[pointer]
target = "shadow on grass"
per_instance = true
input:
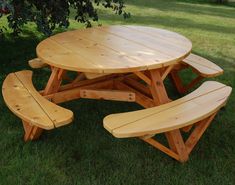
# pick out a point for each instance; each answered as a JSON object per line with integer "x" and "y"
{"x": 170, "y": 21}
{"x": 189, "y": 7}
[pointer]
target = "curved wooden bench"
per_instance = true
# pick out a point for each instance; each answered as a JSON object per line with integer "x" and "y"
{"x": 35, "y": 111}
{"x": 198, "y": 107}
{"x": 201, "y": 66}
{"x": 36, "y": 63}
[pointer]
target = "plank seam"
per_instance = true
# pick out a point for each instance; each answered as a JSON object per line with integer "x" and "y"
{"x": 166, "y": 109}
{"x": 35, "y": 99}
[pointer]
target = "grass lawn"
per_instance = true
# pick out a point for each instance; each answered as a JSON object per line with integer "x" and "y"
{"x": 83, "y": 152}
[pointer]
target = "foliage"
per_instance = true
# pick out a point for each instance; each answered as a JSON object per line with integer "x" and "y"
{"x": 50, "y": 14}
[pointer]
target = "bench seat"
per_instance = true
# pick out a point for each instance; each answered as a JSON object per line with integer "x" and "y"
{"x": 193, "y": 108}
{"x": 25, "y": 102}
{"x": 202, "y": 66}
{"x": 36, "y": 63}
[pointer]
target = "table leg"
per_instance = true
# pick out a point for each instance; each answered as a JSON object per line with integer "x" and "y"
{"x": 157, "y": 87}
{"x": 160, "y": 96}
{"x": 54, "y": 81}
{"x": 53, "y": 85}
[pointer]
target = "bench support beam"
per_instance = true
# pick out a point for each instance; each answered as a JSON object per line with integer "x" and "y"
{"x": 161, "y": 147}
{"x": 31, "y": 132}
{"x": 198, "y": 132}
{"x": 179, "y": 149}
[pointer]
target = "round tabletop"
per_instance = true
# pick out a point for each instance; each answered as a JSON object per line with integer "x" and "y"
{"x": 114, "y": 49}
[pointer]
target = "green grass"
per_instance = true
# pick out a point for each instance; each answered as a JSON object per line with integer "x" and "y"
{"x": 83, "y": 152}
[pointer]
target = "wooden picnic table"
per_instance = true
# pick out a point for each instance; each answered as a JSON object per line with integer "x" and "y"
{"x": 122, "y": 55}
{"x": 123, "y": 63}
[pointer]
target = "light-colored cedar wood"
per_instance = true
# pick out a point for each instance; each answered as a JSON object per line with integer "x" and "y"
{"x": 179, "y": 145}
{"x": 139, "y": 97}
{"x": 197, "y": 132}
{"x": 202, "y": 66}
{"x": 165, "y": 35}
{"x": 196, "y": 106}
{"x": 56, "y": 55}
{"x": 125, "y": 118}
{"x": 170, "y": 140}
{"x": 192, "y": 83}
{"x": 54, "y": 81}
{"x": 74, "y": 93}
{"x": 157, "y": 88}
{"x": 176, "y": 80}
{"x": 121, "y": 45}
{"x": 158, "y": 44}
{"x": 31, "y": 132}
{"x": 116, "y": 95}
{"x": 78, "y": 78}
{"x": 173, "y": 116}
{"x": 80, "y": 81}
{"x": 108, "y": 50}
{"x": 142, "y": 76}
{"x": 166, "y": 72}
{"x": 94, "y": 75}
{"x": 161, "y": 147}
{"x": 24, "y": 101}
{"x": 187, "y": 128}
{"x": 137, "y": 85}
{"x": 83, "y": 83}
{"x": 36, "y": 63}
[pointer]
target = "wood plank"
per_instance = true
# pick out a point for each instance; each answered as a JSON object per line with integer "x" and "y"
{"x": 59, "y": 115}
{"x": 110, "y": 60}
{"x": 94, "y": 75}
{"x": 115, "y": 95}
{"x": 36, "y": 63}
{"x": 138, "y": 86}
{"x": 157, "y": 88}
{"x": 179, "y": 145}
{"x": 97, "y": 50}
{"x": 20, "y": 101}
{"x": 166, "y": 47}
{"x": 122, "y": 46}
{"x": 43, "y": 113}
{"x": 54, "y": 81}
{"x": 203, "y": 66}
{"x": 162, "y": 34}
{"x": 142, "y": 76}
{"x": 74, "y": 93}
{"x": 198, "y": 132}
{"x": 52, "y": 53}
{"x": 161, "y": 147}
{"x": 139, "y": 97}
{"x": 166, "y": 72}
{"x": 174, "y": 115}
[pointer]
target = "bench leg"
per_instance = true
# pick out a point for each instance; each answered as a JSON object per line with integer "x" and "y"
{"x": 182, "y": 89}
{"x": 177, "y": 145}
{"x": 197, "y": 133}
{"x": 179, "y": 149}
{"x": 31, "y": 132}
{"x": 176, "y": 80}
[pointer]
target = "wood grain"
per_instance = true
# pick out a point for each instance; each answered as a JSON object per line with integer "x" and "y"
{"x": 196, "y": 106}
{"x": 114, "y": 49}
